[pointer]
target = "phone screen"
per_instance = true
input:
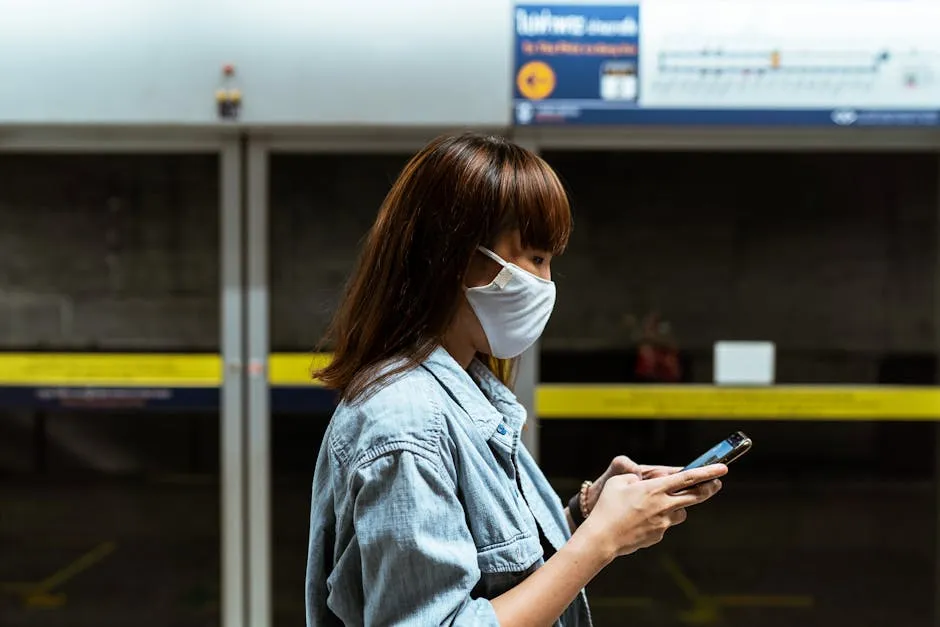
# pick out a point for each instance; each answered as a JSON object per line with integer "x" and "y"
{"x": 715, "y": 453}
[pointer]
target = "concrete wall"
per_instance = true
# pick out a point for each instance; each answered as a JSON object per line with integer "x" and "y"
{"x": 815, "y": 252}
{"x": 823, "y": 254}
{"x": 109, "y": 252}
{"x": 831, "y": 252}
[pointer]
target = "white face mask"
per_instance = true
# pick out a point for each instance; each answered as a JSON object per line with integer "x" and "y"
{"x": 513, "y": 309}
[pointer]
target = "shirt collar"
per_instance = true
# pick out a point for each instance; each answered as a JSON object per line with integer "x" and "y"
{"x": 487, "y": 401}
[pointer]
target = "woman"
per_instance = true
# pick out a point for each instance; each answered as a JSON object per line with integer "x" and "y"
{"x": 426, "y": 510}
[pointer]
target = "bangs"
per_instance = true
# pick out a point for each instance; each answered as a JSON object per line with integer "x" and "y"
{"x": 533, "y": 200}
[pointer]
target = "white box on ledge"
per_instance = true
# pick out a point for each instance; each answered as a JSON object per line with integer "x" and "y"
{"x": 745, "y": 363}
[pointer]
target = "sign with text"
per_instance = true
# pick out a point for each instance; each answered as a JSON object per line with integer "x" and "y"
{"x": 730, "y": 62}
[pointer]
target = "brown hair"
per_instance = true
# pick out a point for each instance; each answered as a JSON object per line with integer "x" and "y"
{"x": 459, "y": 192}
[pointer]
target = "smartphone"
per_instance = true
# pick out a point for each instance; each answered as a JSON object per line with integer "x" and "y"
{"x": 725, "y": 452}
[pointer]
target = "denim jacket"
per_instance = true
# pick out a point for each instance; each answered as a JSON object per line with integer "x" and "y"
{"x": 425, "y": 506}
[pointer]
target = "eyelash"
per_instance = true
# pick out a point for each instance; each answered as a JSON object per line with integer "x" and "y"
{"x": 538, "y": 260}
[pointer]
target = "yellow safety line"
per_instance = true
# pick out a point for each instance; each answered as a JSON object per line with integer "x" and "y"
{"x": 74, "y": 568}
{"x": 706, "y": 608}
{"x": 39, "y": 594}
{"x": 682, "y": 580}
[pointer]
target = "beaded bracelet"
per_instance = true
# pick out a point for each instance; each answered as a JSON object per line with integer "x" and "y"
{"x": 577, "y": 506}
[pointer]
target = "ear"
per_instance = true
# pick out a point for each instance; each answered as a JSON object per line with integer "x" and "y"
{"x": 481, "y": 270}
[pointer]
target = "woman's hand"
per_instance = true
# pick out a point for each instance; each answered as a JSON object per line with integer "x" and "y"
{"x": 632, "y": 513}
{"x": 623, "y": 465}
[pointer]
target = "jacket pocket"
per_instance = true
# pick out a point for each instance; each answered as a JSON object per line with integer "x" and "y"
{"x": 504, "y": 565}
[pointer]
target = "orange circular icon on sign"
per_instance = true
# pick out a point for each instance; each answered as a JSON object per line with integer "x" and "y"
{"x": 536, "y": 80}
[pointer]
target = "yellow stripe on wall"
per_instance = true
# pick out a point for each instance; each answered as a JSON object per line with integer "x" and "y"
{"x": 110, "y": 369}
{"x": 143, "y": 369}
{"x": 291, "y": 369}
{"x": 710, "y": 402}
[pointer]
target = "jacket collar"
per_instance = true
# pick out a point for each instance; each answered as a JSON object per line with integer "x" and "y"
{"x": 486, "y": 400}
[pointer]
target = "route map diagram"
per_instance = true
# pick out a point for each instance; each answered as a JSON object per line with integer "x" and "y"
{"x": 865, "y": 53}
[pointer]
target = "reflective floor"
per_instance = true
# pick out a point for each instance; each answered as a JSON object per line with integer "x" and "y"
{"x": 815, "y": 549}
{"x": 113, "y": 555}
{"x": 109, "y": 519}
{"x": 109, "y": 554}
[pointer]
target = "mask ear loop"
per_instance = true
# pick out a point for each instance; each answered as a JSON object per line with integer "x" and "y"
{"x": 489, "y": 253}
{"x": 504, "y": 276}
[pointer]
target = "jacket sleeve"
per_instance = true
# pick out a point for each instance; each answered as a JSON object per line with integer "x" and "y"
{"x": 418, "y": 560}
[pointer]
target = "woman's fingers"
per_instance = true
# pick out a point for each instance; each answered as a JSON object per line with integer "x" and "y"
{"x": 694, "y": 496}
{"x": 678, "y": 516}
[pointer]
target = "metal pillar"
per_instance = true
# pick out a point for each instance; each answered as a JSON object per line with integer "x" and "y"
{"x": 259, "y": 411}
{"x": 936, "y": 317}
{"x": 232, "y": 483}
{"x": 527, "y": 377}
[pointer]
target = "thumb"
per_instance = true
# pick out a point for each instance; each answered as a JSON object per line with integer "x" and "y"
{"x": 622, "y": 465}
{"x": 625, "y": 479}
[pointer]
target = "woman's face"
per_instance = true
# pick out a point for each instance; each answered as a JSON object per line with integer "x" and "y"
{"x": 466, "y": 329}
